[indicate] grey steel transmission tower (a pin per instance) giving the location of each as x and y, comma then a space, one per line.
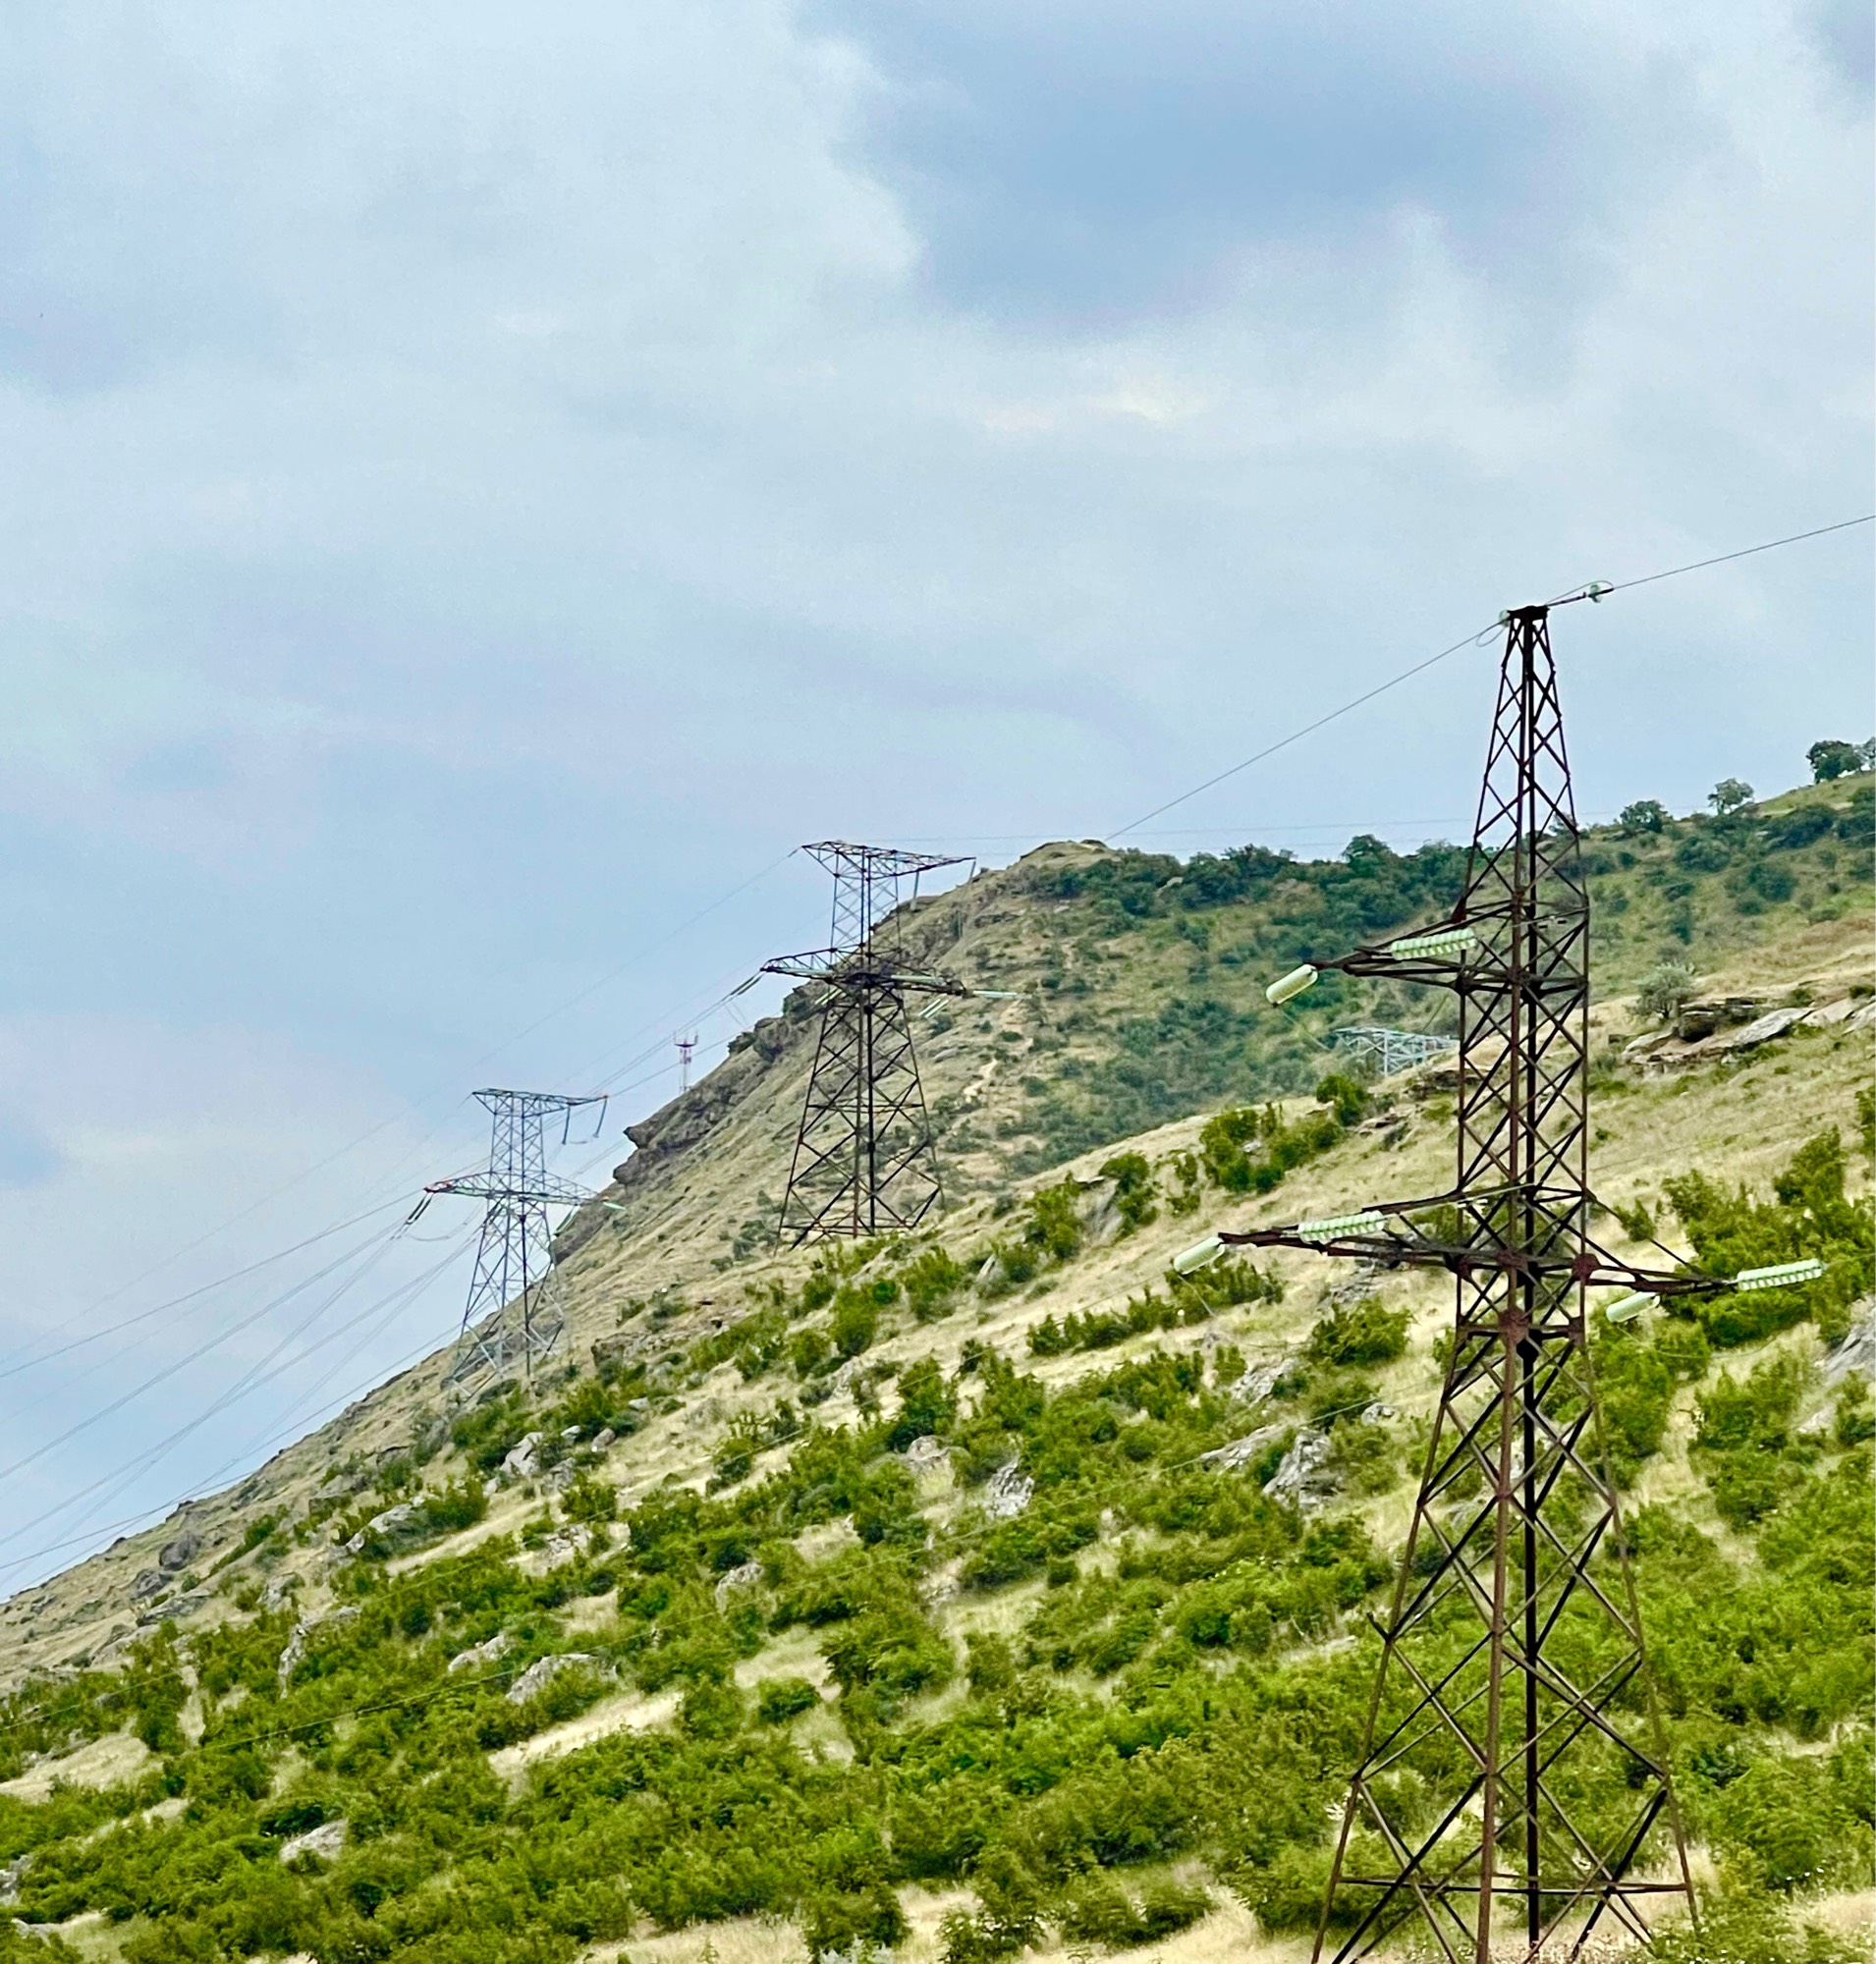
864, 1162
1511, 1758
514, 1258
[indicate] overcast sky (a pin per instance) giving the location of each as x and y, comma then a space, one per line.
482, 483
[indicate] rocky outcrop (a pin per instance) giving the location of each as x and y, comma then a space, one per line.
1008, 1490
746, 1575
296, 1639
1302, 1479
523, 1460
327, 1842
543, 1671
563, 1545
1855, 1355
477, 1656
180, 1553
1240, 1452
693, 1115
401, 1523
926, 1454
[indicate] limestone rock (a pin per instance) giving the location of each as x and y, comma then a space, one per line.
928, 1455
279, 1588
1228, 1459
1302, 1479
603, 1438
1857, 1353
13, 1875
564, 1545
1260, 1380
1008, 1490
325, 1841
180, 1553
478, 1655
748, 1575
148, 1582
543, 1671
176, 1609
392, 1525
296, 1646
523, 1460
1377, 1413
1764, 1029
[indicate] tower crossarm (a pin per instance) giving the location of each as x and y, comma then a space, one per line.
1393, 1242
864, 969
544, 1189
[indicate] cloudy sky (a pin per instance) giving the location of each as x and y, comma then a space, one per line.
481, 485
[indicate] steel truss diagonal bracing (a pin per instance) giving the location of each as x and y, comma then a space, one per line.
1512, 1778
514, 1255
865, 1161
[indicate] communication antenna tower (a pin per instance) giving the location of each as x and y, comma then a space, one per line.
1512, 1759
686, 1045
865, 1161
513, 1257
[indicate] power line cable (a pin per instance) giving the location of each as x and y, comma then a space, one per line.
377, 1243
289, 1429
391, 1306
1596, 590
191, 1295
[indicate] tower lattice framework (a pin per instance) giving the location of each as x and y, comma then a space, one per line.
865, 1161
1511, 1769
513, 1253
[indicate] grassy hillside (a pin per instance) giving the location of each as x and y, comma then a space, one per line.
969, 1594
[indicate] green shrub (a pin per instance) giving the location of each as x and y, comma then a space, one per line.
1135, 1192
1360, 1333
781, 1699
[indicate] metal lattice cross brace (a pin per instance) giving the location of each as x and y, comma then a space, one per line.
1511, 1761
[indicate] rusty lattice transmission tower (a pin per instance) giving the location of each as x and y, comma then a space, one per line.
1511, 1760
514, 1255
864, 1162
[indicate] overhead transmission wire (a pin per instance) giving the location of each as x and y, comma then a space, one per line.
1602, 590
29, 1363
375, 1246
259, 1375
288, 1429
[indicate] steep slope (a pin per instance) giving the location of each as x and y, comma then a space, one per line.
917, 1508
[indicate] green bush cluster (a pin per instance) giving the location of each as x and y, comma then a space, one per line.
1810, 1215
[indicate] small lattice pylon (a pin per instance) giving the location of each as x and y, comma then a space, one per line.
514, 1313
864, 1159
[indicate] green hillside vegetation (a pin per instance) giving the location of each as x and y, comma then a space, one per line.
961, 1593
1151, 1001
1127, 1737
